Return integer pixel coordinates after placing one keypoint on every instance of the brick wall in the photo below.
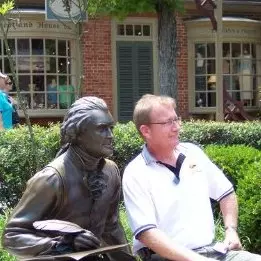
(97, 59)
(182, 64)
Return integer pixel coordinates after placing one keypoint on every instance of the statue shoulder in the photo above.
(111, 167)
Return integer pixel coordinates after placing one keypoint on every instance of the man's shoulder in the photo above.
(187, 147)
(137, 162)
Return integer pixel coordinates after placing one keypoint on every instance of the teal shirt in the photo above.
(6, 110)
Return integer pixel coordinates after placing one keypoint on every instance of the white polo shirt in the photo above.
(183, 211)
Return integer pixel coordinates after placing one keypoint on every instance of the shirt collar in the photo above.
(148, 158)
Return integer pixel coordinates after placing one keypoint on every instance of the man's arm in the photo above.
(229, 209)
(163, 246)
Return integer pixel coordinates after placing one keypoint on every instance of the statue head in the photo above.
(88, 125)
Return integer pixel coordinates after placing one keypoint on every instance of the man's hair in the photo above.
(78, 115)
(144, 106)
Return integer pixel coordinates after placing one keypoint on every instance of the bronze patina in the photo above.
(72, 204)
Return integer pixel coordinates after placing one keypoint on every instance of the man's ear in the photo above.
(145, 130)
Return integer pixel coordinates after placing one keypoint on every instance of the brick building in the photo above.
(120, 62)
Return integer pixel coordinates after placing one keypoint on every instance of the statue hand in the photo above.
(86, 241)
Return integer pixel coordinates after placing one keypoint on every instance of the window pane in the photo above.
(38, 80)
(200, 50)
(138, 30)
(146, 30)
(62, 65)
(200, 66)
(52, 68)
(50, 47)
(24, 82)
(37, 46)
(236, 49)
(120, 29)
(211, 51)
(200, 83)
(23, 64)
(23, 46)
(226, 50)
(200, 99)
(211, 67)
(129, 29)
(61, 48)
(51, 92)
(211, 99)
(39, 101)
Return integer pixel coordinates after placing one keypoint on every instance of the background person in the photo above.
(80, 186)
(6, 108)
(167, 190)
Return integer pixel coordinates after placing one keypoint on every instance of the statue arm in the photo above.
(38, 201)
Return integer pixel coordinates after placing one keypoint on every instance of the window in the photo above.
(44, 71)
(134, 30)
(241, 73)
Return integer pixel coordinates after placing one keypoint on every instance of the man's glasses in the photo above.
(9, 83)
(176, 121)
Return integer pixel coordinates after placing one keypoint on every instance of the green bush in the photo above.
(249, 197)
(233, 160)
(241, 163)
(16, 158)
(4, 255)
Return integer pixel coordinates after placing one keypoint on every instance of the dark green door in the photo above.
(134, 75)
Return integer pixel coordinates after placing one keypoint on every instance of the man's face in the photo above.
(164, 127)
(96, 137)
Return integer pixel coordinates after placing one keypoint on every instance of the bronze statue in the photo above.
(76, 196)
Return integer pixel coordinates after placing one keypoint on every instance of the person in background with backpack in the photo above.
(76, 197)
(6, 107)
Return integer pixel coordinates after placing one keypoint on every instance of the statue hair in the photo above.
(76, 118)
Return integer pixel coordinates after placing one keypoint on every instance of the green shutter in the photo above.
(134, 75)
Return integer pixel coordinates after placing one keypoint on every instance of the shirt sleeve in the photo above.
(218, 184)
(138, 201)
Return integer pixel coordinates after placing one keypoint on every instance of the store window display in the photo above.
(241, 69)
(246, 78)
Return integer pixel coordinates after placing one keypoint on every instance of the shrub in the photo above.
(233, 160)
(16, 158)
(249, 197)
(4, 255)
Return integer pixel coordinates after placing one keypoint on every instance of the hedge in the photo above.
(241, 162)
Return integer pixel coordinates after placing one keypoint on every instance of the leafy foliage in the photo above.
(16, 165)
(121, 8)
(4, 255)
(241, 163)
(6, 7)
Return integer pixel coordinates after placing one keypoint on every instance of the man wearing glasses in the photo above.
(6, 107)
(167, 190)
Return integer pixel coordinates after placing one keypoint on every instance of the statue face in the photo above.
(96, 137)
